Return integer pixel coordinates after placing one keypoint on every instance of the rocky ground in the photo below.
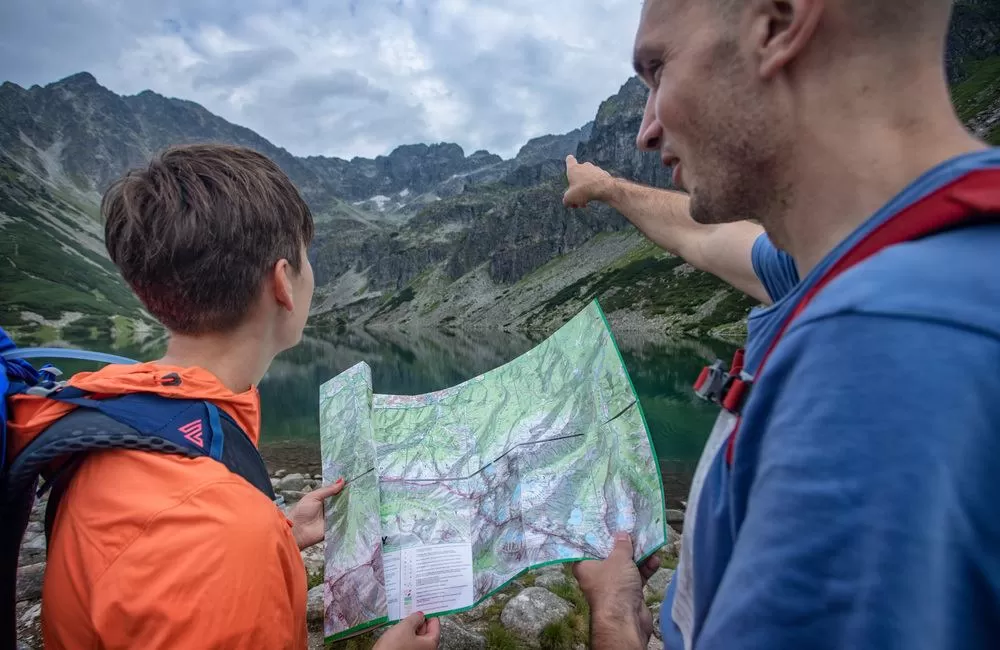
(541, 609)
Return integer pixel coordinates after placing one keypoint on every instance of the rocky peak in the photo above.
(612, 143)
(552, 147)
(80, 80)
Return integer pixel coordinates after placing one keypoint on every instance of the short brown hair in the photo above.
(196, 230)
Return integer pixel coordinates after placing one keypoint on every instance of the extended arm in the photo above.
(724, 249)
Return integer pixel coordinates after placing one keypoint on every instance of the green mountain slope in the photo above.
(52, 267)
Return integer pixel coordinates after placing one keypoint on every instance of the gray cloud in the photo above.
(240, 67)
(354, 78)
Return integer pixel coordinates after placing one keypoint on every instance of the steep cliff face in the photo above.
(974, 36)
(613, 142)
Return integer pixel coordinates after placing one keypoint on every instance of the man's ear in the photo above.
(283, 284)
(781, 30)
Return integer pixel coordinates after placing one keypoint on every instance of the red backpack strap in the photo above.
(973, 198)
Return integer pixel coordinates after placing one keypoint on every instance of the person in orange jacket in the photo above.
(158, 550)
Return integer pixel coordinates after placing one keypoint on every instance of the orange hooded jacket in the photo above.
(160, 551)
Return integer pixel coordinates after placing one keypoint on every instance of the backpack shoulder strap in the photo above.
(972, 199)
(86, 430)
(150, 422)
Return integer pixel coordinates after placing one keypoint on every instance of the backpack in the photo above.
(136, 421)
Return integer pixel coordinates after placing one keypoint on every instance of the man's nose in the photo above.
(650, 133)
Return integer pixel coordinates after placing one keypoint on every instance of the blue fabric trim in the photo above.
(66, 353)
(217, 436)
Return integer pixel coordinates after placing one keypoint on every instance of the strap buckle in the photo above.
(728, 389)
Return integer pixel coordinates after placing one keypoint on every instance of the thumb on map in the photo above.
(414, 621)
(623, 545)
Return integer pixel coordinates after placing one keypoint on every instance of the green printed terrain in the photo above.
(540, 460)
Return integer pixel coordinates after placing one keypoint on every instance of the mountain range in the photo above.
(426, 236)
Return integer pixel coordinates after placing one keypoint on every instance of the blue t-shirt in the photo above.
(862, 509)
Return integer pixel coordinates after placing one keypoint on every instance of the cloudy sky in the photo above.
(342, 77)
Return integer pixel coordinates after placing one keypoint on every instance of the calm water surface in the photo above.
(407, 364)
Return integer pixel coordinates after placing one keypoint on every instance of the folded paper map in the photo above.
(453, 494)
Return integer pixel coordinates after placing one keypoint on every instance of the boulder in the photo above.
(292, 482)
(281, 473)
(527, 613)
(314, 606)
(28, 616)
(657, 584)
(29, 582)
(654, 644)
(456, 637)
(292, 496)
(549, 577)
(655, 612)
(675, 516)
(314, 558)
(480, 611)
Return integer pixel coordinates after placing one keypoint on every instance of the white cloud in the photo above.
(355, 78)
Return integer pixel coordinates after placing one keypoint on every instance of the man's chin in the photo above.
(708, 212)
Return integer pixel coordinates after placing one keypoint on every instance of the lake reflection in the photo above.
(413, 363)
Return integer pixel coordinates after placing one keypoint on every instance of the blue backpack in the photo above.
(137, 421)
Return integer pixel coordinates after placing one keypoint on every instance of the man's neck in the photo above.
(857, 163)
(237, 359)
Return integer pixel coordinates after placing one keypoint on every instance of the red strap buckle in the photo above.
(727, 389)
(735, 396)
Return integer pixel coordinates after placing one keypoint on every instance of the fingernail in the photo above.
(340, 480)
(622, 537)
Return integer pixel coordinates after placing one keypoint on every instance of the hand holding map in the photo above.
(453, 494)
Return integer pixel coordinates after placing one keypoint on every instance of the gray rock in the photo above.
(657, 584)
(275, 483)
(294, 482)
(456, 637)
(35, 527)
(654, 644)
(314, 605)
(479, 612)
(655, 611)
(549, 577)
(675, 516)
(34, 541)
(314, 558)
(292, 496)
(674, 547)
(31, 556)
(29, 619)
(281, 473)
(318, 477)
(527, 613)
(29, 582)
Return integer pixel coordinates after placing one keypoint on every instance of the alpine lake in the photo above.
(410, 363)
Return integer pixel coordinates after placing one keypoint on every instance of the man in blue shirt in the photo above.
(855, 507)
